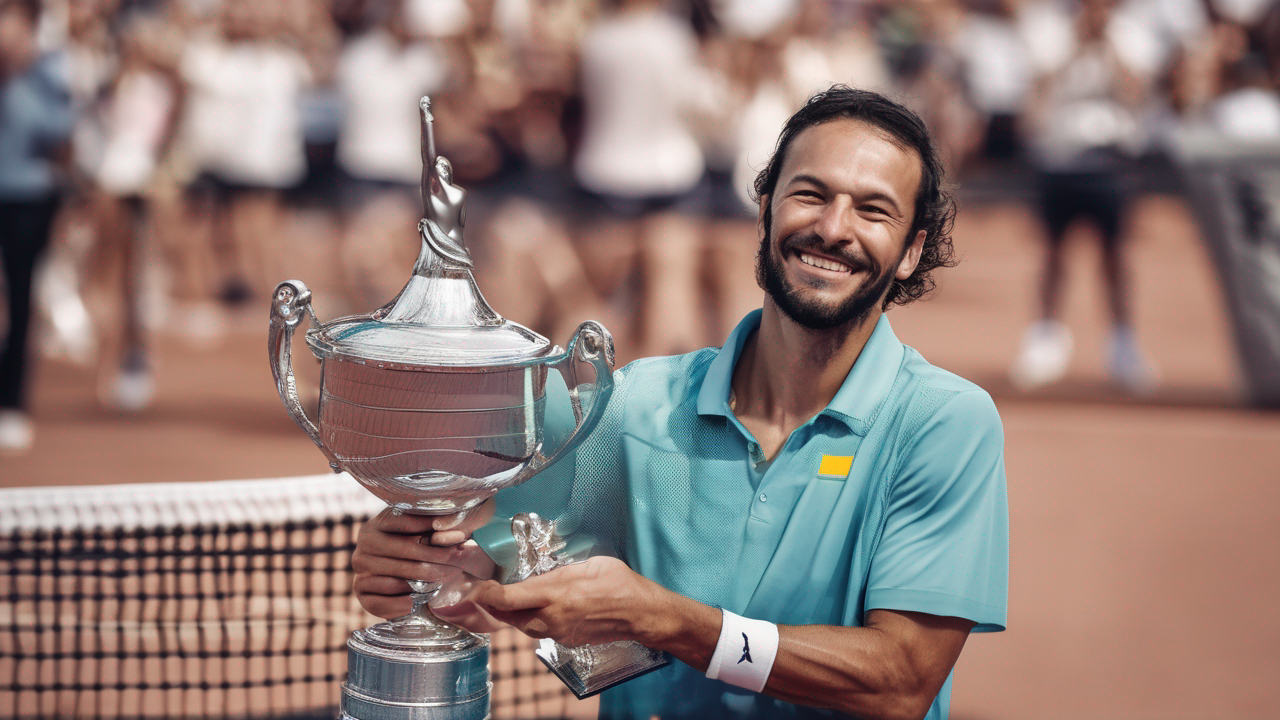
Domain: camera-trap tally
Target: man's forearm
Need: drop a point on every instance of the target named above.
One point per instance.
(862, 671)
(893, 668)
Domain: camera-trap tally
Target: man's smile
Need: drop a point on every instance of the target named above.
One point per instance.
(823, 263)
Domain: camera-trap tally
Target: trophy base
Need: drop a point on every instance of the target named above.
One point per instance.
(416, 671)
(591, 669)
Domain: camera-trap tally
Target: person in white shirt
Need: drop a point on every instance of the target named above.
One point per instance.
(380, 76)
(998, 74)
(639, 159)
(137, 120)
(1086, 128)
(244, 133)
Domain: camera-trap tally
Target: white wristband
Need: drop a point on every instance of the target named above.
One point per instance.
(745, 653)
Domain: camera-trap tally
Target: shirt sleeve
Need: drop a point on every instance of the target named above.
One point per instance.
(945, 545)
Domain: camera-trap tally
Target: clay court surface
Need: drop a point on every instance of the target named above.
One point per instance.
(1145, 533)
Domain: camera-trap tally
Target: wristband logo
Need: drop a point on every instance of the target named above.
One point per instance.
(746, 650)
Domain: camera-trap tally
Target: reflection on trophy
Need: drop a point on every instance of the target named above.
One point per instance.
(434, 402)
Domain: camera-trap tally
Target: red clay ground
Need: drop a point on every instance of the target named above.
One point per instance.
(1145, 561)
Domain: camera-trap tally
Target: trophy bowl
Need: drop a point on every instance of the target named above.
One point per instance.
(434, 402)
(429, 432)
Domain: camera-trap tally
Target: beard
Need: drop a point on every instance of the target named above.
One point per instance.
(815, 315)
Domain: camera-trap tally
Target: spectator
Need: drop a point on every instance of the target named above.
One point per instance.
(998, 74)
(641, 162)
(381, 74)
(1085, 124)
(35, 126)
(137, 122)
(525, 68)
(245, 134)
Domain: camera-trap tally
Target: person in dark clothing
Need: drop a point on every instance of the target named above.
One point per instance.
(35, 125)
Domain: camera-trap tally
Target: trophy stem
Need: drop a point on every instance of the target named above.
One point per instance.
(420, 622)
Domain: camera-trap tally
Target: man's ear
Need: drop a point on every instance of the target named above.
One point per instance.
(911, 257)
(762, 213)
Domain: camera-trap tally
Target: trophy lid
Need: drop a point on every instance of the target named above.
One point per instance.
(439, 318)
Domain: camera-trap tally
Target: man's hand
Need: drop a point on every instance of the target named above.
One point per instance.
(599, 601)
(393, 548)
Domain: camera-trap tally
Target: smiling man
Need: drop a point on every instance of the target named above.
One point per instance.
(812, 517)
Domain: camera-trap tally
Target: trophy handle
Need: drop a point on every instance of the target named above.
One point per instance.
(290, 302)
(591, 345)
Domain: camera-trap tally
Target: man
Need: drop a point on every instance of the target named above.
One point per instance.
(812, 513)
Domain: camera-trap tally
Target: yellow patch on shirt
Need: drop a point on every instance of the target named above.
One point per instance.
(835, 467)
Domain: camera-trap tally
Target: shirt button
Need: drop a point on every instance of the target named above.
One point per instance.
(764, 498)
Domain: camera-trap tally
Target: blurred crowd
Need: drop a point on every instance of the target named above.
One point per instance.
(186, 155)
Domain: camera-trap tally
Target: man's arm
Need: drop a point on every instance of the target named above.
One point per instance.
(891, 668)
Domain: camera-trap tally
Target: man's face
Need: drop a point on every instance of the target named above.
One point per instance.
(841, 211)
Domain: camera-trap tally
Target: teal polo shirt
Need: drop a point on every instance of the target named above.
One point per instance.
(892, 497)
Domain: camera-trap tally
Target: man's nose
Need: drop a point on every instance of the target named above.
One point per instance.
(835, 224)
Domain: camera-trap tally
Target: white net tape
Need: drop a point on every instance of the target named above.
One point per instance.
(162, 505)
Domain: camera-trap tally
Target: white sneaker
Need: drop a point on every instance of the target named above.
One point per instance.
(1129, 367)
(1045, 354)
(16, 433)
(133, 386)
(134, 390)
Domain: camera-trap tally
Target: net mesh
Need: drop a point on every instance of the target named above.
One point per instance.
(229, 599)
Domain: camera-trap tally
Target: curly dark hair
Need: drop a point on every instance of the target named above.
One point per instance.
(935, 209)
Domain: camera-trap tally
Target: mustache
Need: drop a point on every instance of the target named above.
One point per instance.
(809, 242)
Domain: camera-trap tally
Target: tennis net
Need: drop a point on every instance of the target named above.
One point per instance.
(222, 599)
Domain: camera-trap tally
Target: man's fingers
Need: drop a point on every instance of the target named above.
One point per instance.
(467, 519)
(467, 555)
(448, 537)
(525, 595)
(390, 521)
(454, 529)
(407, 569)
(442, 530)
(380, 585)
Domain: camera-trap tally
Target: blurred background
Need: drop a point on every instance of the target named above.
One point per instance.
(164, 163)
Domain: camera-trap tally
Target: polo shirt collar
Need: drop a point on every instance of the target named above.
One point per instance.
(867, 386)
(713, 397)
(859, 398)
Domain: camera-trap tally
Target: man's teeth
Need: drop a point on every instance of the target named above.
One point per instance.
(823, 263)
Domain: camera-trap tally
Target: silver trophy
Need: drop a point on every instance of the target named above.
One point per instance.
(434, 402)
